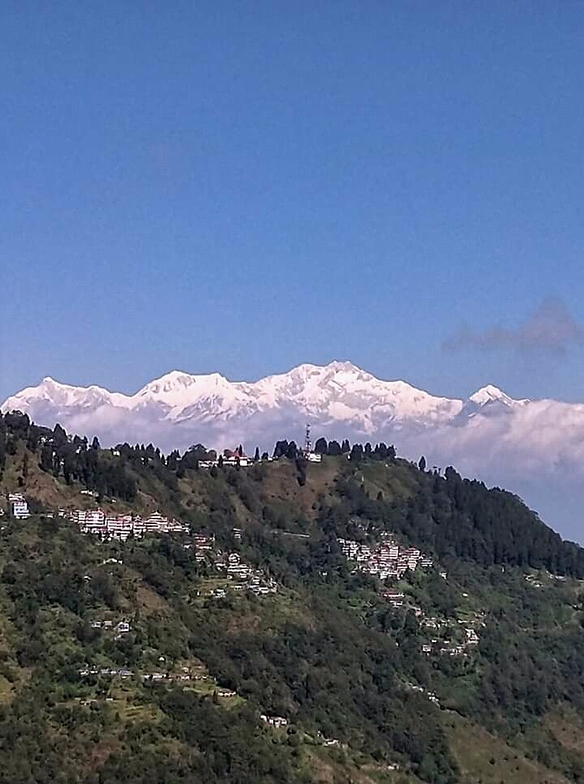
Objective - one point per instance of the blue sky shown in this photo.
(244, 186)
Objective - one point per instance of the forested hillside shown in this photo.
(358, 619)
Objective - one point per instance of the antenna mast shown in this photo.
(307, 441)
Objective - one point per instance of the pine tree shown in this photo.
(334, 448)
(280, 448)
(292, 451)
(321, 446)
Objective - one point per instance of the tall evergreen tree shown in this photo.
(321, 446)
(334, 448)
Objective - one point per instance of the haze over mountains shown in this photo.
(533, 447)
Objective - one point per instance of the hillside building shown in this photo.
(18, 506)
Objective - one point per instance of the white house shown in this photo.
(20, 509)
(274, 721)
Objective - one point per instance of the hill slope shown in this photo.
(269, 604)
(522, 444)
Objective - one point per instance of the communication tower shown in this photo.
(307, 441)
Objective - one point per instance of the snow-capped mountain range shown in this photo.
(338, 399)
(489, 435)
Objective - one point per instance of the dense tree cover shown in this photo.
(73, 459)
(108, 472)
(198, 742)
(327, 651)
(47, 600)
(454, 517)
(331, 676)
(338, 679)
(219, 748)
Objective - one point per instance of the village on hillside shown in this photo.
(385, 559)
(389, 561)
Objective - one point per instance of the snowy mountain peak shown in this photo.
(55, 396)
(491, 394)
(487, 394)
(179, 390)
(48, 384)
(169, 382)
(307, 370)
(343, 367)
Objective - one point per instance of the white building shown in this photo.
(274, 721)
(20, 509)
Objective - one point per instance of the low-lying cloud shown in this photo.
(551, 328)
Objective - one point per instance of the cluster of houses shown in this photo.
(447, 647)
(122, 627)
(236, 569)
(538, 580)
(106, 672)
(185, 675)
(122, 526)
(230, 457)
(421, 690)
(277, 722)
(385, 560)
(17, 506)
(203, 546)
(237, 457)
(244, 576)
(280, 722)
(534, 580)
(274, 721)
(256, 585)
(388, 560)
(124, 673)
(395, 598)
(449, 629)
(169, 676)
(452, 638)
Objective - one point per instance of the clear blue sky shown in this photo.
(244, 186)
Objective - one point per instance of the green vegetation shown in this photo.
(473, 674)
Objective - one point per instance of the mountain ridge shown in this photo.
(536, 447)
(266, 389)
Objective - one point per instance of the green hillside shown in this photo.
(260, 644)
